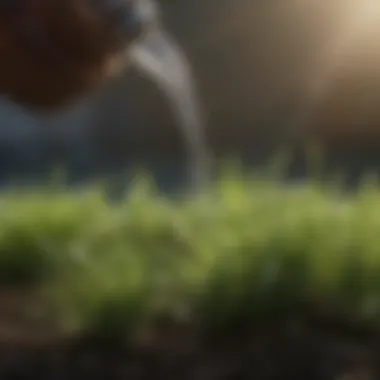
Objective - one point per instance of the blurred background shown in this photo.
(271, 75)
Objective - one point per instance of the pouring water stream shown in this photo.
(160, 58)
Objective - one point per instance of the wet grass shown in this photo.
(243, 251)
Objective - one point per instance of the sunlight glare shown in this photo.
(363, 16)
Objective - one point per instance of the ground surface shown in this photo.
(172, 351)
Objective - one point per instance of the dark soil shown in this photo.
(294, 351)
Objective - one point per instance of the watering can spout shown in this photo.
(131, 18)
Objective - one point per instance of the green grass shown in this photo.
(245, 249)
